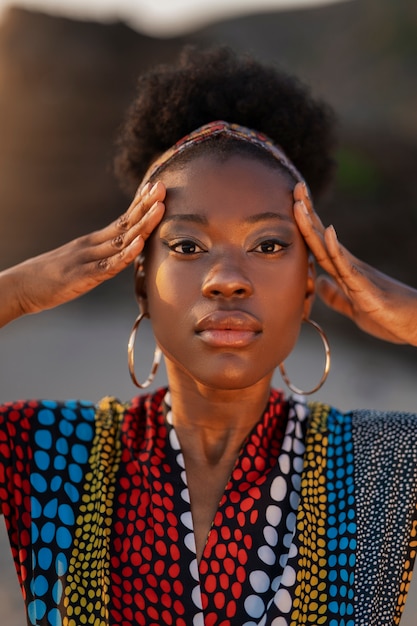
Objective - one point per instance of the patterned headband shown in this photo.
(230, 130)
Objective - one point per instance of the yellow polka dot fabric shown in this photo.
(87, 591)
(311, 596)
(99, 516)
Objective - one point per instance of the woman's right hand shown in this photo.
(75, 268)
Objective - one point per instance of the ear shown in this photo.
(310, 287)
(140, 283)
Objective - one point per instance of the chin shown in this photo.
(227, 380)
(230, 372)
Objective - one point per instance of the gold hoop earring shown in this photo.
(326, 365)
(131, 356)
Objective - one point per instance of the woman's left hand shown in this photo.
(378, 304)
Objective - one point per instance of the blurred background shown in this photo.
(68, 73)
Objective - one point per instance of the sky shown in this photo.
(160, 17)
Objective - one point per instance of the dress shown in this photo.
(317, 524)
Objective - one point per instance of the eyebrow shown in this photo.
(268, 215)
(197, 218)
(187, 217)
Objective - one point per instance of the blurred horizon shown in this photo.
(65, 84)
(165, 18)
(59, 119)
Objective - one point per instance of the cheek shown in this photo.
(286, 294)
(169, 293)
(156, 281)
(291, 280)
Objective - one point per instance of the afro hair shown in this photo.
(218, 84)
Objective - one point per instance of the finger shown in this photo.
(107, 267)
(141, 204)
(142, 189)
(145, 198)
(302, 194)
(340, 264)
(333, 296)
(103, 254)
(80, 265)
(351, 275)
(334, 258)
(110, 258)
(142, 223)
(85, 270)
(313, 237)
(141, 218)
(359, 282)
(124, 229)
(142, 201)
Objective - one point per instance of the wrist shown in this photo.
(11, 289)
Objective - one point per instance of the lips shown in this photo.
(228, 329)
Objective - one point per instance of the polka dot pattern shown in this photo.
(311, 588)
(317, 524)
(326, 523)
(87, 597)
(50, 478)
(238, 567)
(385, 479)
(341, 519)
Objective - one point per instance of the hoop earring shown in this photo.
(131, 356)
(326, 365)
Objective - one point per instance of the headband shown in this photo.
(235, 131)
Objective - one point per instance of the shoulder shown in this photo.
(24, 415)
(48, 411)
(389, 437)
(389, 419)
(28, 408)
(371, 422)
(45, 424)
(372, 418)
(384, 433)
(48, 425)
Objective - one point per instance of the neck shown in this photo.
(212, 424)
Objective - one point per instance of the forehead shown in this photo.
(207, 181)
(234, 196)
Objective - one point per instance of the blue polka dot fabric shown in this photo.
(317, 524)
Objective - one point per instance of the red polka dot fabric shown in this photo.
(97, 507)
(155, 577)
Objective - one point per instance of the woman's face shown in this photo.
(228, 279)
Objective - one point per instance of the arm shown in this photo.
(75, 268)
(378, 304)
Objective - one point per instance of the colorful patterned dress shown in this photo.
(317, 524)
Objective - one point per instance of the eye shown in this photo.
(186, 247)
(270, 246)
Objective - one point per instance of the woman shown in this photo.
(219, 501)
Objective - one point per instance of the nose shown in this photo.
(226, 279)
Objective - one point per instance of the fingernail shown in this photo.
(154, 188)
(135, 241)
(306, 191)
(153, 207)
(303, 207)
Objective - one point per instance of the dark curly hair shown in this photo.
(217, 84)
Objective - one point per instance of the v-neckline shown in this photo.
(253, 445)
(251, 540)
